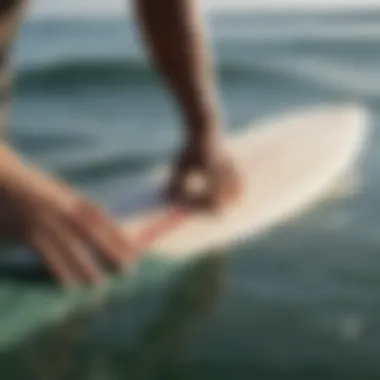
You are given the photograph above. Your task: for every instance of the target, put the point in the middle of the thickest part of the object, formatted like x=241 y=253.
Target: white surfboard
x=285 y=164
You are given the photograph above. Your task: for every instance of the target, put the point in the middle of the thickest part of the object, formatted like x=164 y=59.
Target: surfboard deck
x=286 y=164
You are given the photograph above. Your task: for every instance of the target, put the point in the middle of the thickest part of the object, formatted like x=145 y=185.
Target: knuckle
x=82 y=210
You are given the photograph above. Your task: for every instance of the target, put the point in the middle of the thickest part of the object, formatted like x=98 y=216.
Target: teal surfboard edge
x=27 y=307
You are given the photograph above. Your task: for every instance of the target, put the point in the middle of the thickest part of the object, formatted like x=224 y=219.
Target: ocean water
x=299 y=303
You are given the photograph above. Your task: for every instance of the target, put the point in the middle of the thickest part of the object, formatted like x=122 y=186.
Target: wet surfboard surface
x=286 y=163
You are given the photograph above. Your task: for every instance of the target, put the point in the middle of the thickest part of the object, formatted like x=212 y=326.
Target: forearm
x=12 y=170
x=11 y=12
x=9 y=169
x=175 y=34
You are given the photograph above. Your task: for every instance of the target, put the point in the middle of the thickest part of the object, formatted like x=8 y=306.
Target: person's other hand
x=205 y=176
x=77 y=240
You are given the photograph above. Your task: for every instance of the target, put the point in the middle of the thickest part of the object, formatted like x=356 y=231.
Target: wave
x=353 y=33
x=106 y=167
x=94 y=72
x=85 y=72
x=354 y=79
x=363 y=80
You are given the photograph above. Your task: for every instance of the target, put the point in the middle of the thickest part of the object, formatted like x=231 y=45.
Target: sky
x=43 y=8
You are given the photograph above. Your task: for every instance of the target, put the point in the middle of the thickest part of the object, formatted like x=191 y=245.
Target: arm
x=60 y=225
x=175 y=35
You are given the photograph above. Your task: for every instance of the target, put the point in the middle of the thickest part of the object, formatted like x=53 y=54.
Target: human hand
x=205 y=176
x=76 y=239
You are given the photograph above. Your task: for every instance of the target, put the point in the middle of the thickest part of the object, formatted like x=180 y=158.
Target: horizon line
x=212 y=11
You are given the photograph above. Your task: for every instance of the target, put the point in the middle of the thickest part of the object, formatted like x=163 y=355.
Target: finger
x=231 y=183
x=175 y=189
x=152 y=232
x=75 y=252
x=107 y=239
x=53 y=259
x=184 y=167
x=220 y=190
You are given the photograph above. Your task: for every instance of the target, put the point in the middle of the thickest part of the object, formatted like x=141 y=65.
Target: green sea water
x=298 y=303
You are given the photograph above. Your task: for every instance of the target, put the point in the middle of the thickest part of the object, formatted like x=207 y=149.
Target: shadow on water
x=155 y=348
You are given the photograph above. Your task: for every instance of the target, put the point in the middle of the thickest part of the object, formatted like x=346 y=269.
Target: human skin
x=63 y=226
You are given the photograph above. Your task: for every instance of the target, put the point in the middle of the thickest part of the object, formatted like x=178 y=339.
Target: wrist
x=11 y=172
x=23 y=181
x=6 y=163
x=203 y=130
x=7 y=184
x=17 y=178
